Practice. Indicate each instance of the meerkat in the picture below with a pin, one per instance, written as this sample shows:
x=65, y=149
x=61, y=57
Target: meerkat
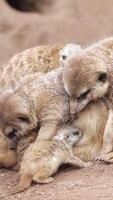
x=42, y=160
x=8, y=156
x=37, y=59
x=39, y=100
x=89, y=76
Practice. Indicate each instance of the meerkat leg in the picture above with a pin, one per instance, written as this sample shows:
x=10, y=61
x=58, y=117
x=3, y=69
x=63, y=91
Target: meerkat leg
x=47, y=130
x=43, y=180
x=78, y=162
x=24, y=183
x=107, y=146
x=42, y=175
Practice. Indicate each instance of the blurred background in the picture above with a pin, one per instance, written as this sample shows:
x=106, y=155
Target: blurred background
x=27, y=23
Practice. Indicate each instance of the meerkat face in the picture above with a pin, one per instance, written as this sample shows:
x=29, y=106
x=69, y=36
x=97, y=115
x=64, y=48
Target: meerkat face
x=85, y=78
x=73, y=137
x=16, y=116
x=69, y=134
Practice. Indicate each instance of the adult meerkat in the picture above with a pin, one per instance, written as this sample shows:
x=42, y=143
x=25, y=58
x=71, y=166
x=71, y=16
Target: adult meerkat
x=44, y=59
x=41, y=160
x=37, y=59
x=38, y=100
x=89, y=76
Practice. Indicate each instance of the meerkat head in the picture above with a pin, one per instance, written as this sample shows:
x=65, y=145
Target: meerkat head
x=68, y=51
x=85, y=78
x=69, y=134
x=17, y=117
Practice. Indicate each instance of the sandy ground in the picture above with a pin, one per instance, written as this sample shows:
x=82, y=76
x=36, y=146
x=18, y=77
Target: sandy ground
x=61, y=21
x=93, y=183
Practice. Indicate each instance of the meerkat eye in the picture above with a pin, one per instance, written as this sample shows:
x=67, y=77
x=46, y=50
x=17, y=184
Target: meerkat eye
x=84, y=95
x=24, y=119
x=102, y=77
x=66, y=137
x=64, y=57
x=75, y=133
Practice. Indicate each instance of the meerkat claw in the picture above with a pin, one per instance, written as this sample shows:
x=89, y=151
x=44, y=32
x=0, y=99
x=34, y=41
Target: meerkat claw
x=106, y=157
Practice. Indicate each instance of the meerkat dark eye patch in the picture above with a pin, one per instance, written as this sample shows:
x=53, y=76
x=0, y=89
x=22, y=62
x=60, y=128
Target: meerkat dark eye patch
x=84, y=95
x=13, y=138
x=64, y=57
x=76, y=133
x=24, y=119
x=102, y=77
x=12, y=134
x=66, y=137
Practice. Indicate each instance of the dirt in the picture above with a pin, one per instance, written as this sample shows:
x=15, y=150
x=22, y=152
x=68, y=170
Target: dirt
x=74, y=184
x=58, y=21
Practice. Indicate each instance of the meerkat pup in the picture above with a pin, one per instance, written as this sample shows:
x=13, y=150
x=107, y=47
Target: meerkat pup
x=8, y=156
x=41, y=160
x=89, y=76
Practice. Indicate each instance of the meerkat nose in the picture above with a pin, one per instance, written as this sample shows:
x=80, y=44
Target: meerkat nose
x=73, y=107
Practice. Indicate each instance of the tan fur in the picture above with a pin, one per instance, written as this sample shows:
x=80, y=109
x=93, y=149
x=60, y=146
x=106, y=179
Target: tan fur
x=8, y=157
x=31, y=61
x=41, y=160
x=37, y=59
x=40, y=100
x=89, y=76
x=42, y=59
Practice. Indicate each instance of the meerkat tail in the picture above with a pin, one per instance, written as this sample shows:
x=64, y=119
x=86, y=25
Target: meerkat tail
x=24, y=183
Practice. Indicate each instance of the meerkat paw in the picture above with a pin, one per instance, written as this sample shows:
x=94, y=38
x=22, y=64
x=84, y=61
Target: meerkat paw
x=105, y=157
x=42, y=180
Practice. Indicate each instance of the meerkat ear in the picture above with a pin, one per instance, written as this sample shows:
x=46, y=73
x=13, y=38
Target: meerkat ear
x=69, y=51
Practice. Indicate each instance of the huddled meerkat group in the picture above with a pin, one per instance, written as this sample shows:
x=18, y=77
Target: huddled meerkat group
x=55, y=108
